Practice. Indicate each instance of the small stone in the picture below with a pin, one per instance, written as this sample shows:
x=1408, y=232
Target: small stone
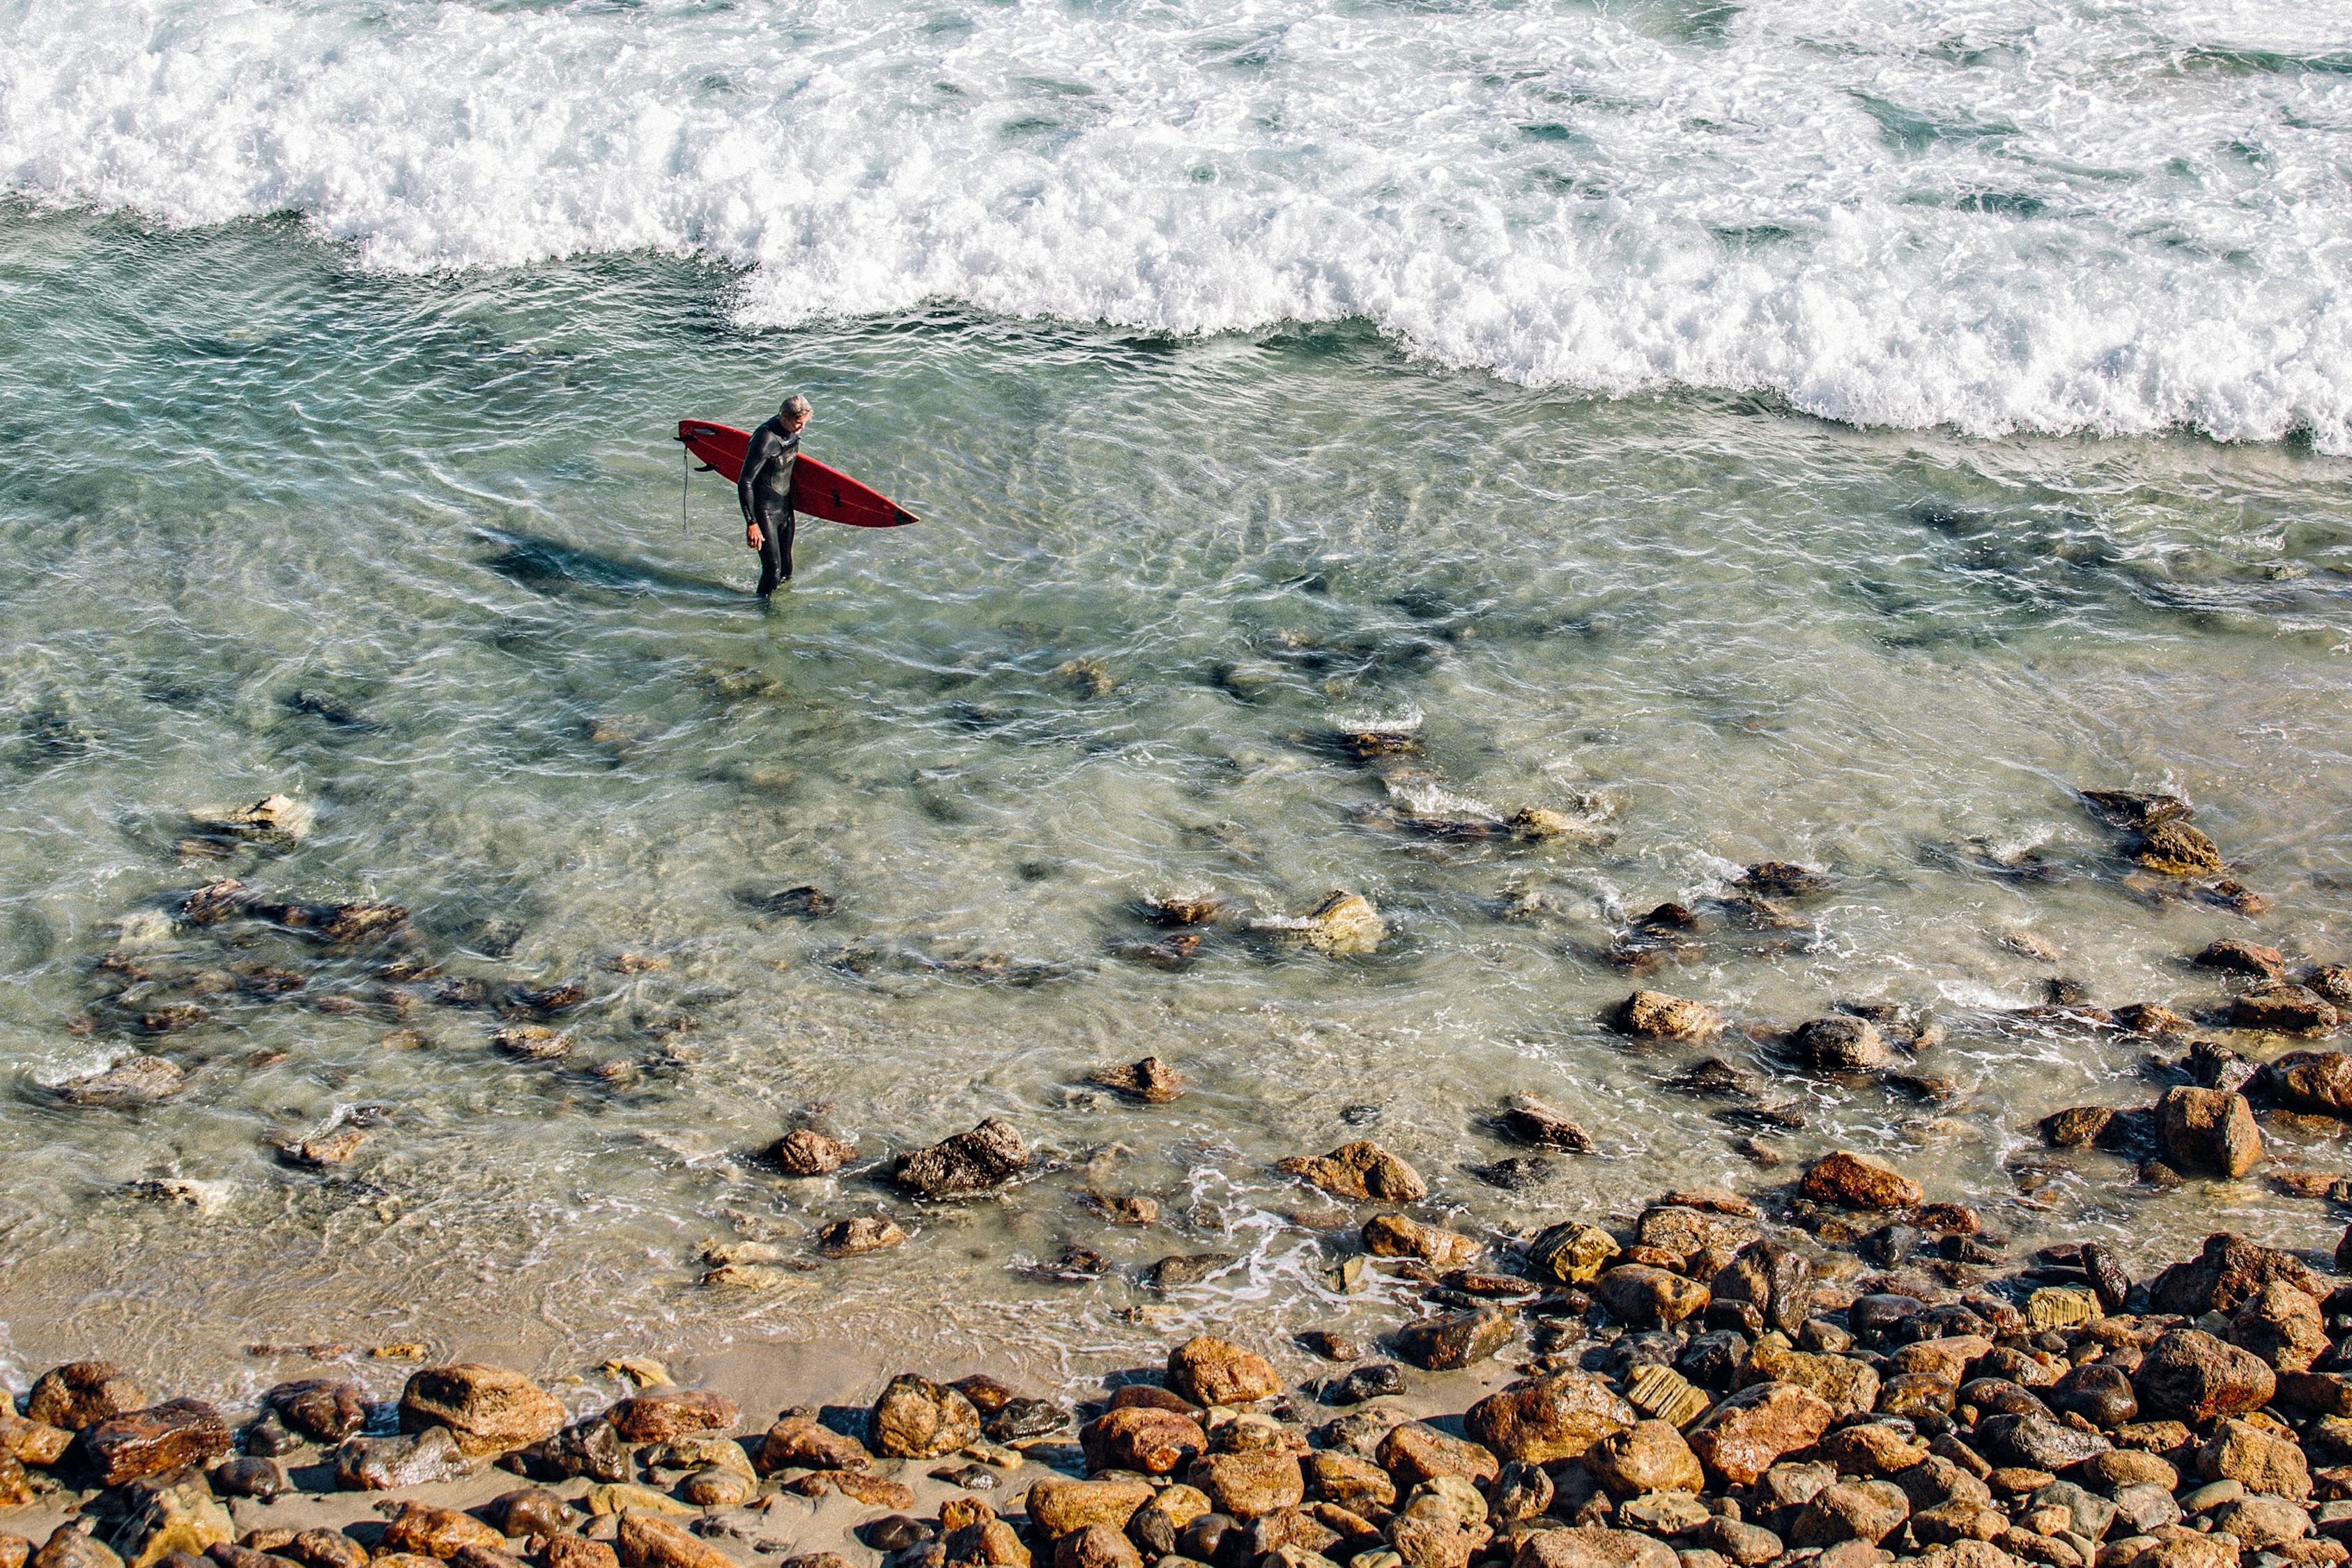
x=1645, y=1298
x=1415, y=1452
x=646, y=1540
x=1572, y=1252
x=1332, y=1345
x=1210, y=1370
x=1360, y=1171
x=966, y=1164
x=1852, y=1181
x=1462, y=1339
x=916, y=1419
x=1840, y=1044
x=798, y=1442
x=1057, y=1506
x=1400, y=1235
x=1655, y=1016
x=805, y=1152
x=2260, y=1460
x=860, y=1234
x=1245, y=1485
x=1666, y=1393
x=135, y=1080
x=441, y=1533
x=659, y=1417
x=1174, y=1273
x=1151, y=1080
x=1341, y=924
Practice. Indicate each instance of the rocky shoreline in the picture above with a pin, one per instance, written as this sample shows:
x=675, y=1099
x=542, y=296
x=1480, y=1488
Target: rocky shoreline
x=1708, y=1387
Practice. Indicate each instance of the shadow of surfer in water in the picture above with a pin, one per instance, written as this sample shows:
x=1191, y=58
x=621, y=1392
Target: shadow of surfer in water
x=550, y=564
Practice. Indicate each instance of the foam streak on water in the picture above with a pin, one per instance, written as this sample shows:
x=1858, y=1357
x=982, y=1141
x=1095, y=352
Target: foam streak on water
x=1992, y=213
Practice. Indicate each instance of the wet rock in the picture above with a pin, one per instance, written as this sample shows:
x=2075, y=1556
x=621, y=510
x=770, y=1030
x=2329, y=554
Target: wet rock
x=276, y=820
x=2283, y=1325
x=805, y=1152
x=2036, y=1442
x=860, y=1234
x=252, y=1476
x=2207, y=1131
x=1458, y=1340
x=2227, y=1273
x=1341, y=924
x=1840, y=1044
x=82, y=1394
x=1097, y=1546
x=532, y=1043
x=2282, y=1008
x=1150, y=1081
x=1544, y=1419
x=1572, y=1252
x=1057, y=1506
x=529, y=1510
x=486, y=1409
x=1784, y=879
x=647, y=1541
x=1332, y=1345
x=441, y=1533
x=1852, y=1182
x=1530, y=1121
x=1208, y=1371
x=71, y=1546
x=916, y=1419
x=149, y=1442
x=1156, y=1441
x=1363, y=1383
x=2235, y=957
x=2135, y=811
x=1400, y=1235
x=591, y=1448
x=1360, y=1171
x=2077, y=1126
x=657, y=1418
x=2100, y=1395
x=1175, y=1273
x=1655, y=1016
x=385, y=1464
x=132, y=1081
x=1027, y=1418
x=147, y=1523
x=2260, y=1460
x=2173, y=848
x=1863, y=1511
x=799, y=1442
x=799, y=903
x=1746, y=1433
x=968, y=1163
x=2189, y=1375
x=2317, y=1082
x=323, y=1150
x=1645, y=1298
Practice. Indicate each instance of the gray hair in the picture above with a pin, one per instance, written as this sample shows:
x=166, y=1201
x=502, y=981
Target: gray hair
x=796, y=407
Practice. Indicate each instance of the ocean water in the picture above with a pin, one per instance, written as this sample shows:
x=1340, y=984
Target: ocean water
x=1832, y=434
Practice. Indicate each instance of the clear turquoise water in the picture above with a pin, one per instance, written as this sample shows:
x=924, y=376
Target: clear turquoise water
x=242, y=469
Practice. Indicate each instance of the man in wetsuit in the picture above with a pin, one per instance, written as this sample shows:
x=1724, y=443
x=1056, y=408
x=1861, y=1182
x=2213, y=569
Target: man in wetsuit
x=765, y=490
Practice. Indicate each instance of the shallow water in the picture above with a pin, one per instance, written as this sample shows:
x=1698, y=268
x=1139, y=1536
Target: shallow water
x=411, y=548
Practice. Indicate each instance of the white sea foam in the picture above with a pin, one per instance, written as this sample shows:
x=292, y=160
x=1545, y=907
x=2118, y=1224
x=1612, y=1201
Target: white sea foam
x=2055, y=214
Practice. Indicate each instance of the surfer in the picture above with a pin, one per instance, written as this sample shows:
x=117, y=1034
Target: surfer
x=765, y=490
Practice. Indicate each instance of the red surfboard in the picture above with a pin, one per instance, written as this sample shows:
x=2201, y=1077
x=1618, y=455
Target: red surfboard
x=817, y=490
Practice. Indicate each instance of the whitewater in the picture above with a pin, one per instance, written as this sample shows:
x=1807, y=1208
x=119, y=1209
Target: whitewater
x=1990, y=215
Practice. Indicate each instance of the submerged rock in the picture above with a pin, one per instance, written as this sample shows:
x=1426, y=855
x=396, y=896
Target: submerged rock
x=1784, y=879
x=1151, y=1080
x=861, y=1234
x=1530, y=1121
x=2242, y=958
x=1840, y=1044
x=966, y=1164
x=805, y=1152
x=1183, y=909
x=2176, y=849
x=274, y=819
x=1655, y=1016
x=1362, y=1171
x=2282, y=1008
x=1343, y=923
x=135, y=1080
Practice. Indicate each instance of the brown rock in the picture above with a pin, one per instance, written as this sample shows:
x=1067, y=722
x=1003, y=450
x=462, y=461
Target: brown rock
x=1592, y=1547
x=916, y=1419
x=1530, y=1121
x=806, y=1152
x=1645, y=1298
x=2207, y=1131
x=2076, y=1127
x=1688, y=1229
x=1244, y=1486
x=1058, y=1507
x=2318, y=1082
x=382, y=1464
x=487, y=1409
x=1777, y=1281
x=1867, y=1511
x=1851, y=1387
x=1096, y=1546
x=1852, y=1181
x=437, y=1531
x=2262, y=1523
x=1543, y=1419
x=1156, y=1441
x=1458, y=1340
x=1342, y=1478
x=2176, y=849
x=968, y=1163
x=2283, y=1326
x=1400, y=1235
x=1746, y=1434
x=1415, y=1452
x=2239, y=957
x=799, y=1442
x=32, y=1442
x=1572, y=1252
x=567, y=1551
x=326, y=1409
x=69, y=1546
x=2262, y=1461
x=858, y=1235
x=2228, y=1271
x=2189, y=1375
x=81, y=1393
x=657, y=1418
x=1207, y=1371
x=1840, y=1044
x=1647, y=1457
x=1362, y=1171
x=648, y=1540
x=325, y=1549
x=1151, y=1080
x=529, y=1510
x=1654, y=1015
x=2282, y=1008
x=162, y=1520
x=149, y=1442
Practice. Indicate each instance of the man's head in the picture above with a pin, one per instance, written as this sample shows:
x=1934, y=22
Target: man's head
x=794, y=412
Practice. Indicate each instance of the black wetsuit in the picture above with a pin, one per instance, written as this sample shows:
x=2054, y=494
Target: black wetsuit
x=765, y=490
